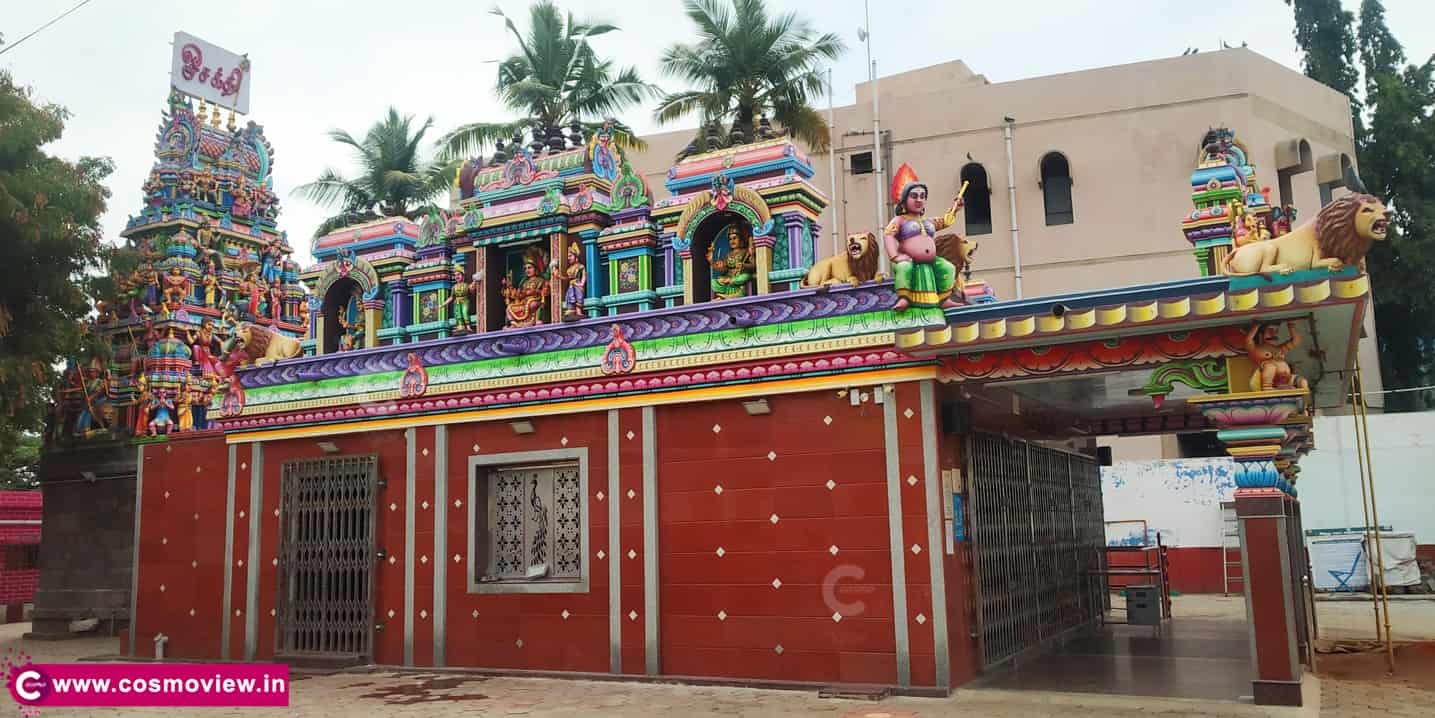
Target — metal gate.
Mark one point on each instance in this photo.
(326, 556)
(1037, 540)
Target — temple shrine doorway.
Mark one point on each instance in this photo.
(327, 555)
(712, 248)
(343, 316)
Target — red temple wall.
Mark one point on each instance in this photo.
(18, 581)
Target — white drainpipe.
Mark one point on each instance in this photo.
(159, 640)
(1011, 203)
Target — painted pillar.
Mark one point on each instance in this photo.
(403, 311)
(763, 246)
(556, 244)
(373, 316)
(1265, 433)
(793, 225)
(594, 289)
(687, 257)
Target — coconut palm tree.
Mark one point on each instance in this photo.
(745, 66)
(555, 80)
(394, 180)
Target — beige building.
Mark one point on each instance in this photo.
(1101, 162)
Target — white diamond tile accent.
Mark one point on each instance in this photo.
(271, 611)
(393, 560)
(518, 643)
(921, 619)
(166, 494)
(777, 583)
(632, 615)
(241, 563)
(191, 611)
(194, 564)
(565, 614)
(907, 413)
(600, 495)
(391, 613)
(778, 649)
(426, 451)
(161, 588)
(274, 561)
(718, 489)
(772, 456)
(631, 493)
(164, 541)
(563, 441)
(632, 554)
(631, 435)
(832, 549)
(722, 615)
(837, 617)
(196, 469)
(717, 428)
(601, 555)
(827, 420)
(475, 611)
(720, 552)
(424, 614)
(241, 514)
(911, 480)
(238, 612)
(393, 506)
(276, 513)
(457, 558)
(916, 549)
(831, 484)
(196, 516)
(424, 559)
(774, 519)
(475, 450)
(458, 503)
(425, 504)
(243, 466)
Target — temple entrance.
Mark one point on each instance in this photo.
(1038, 534)
(326, 555)
(343, 315)
(713, 241)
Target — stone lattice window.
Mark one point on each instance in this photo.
(534, 526)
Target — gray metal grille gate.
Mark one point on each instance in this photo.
(1037, 537)
(326, 569)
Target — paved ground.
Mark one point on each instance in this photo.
(449, 695)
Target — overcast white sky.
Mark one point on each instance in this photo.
(319, 64)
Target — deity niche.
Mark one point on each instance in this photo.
(731, 260)
(351, 322)
(526, 300)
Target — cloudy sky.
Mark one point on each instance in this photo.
(319, 64)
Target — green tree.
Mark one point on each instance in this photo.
(747, 65)
(1325, 33)
(50, 250)
(394, 179)
(555, 80)
(20, 468)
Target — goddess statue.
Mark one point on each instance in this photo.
(525, 302)
(1268, 354)
(176, 288)
(922, 278)
(461, 296)
(576, 274)
(732, 272)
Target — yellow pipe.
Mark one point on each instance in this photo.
(1364, 502)
(1375, 517)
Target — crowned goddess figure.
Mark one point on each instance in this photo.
(922, 278)
(733, 271)
(525, 302)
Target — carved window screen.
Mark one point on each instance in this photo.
(535, 524)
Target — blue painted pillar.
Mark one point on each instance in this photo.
(595, 272)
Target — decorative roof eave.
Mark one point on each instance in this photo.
(1193, 303)
(189, 218)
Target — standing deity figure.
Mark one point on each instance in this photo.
(254, 287)
(142, 404)
(1268, 354)
(526, 301)
(732, 272)
(576, 274)
(182, 406)
(273, 266)
(161, 408)
(276, 301)
(149, 279)
(176, 288)
(211, 287)
(922, 278)
(204, 348)
(461, 296)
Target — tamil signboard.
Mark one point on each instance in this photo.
(210, 73)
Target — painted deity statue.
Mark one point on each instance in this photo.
(161, 408)
(149, 278)
(732, 272)
(576, 275)
(204, 348)
(352, 336)
(922, 278)
(253, 287)
(1249, 228)
(526, 301)
(461, 296)
(142, 404)
(211, 287)
(276, 301)
(184, 417)
(176, 288)
(1268, 354)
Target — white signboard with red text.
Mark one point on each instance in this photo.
(210, 73)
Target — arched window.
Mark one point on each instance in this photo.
(979, 199)
(1056, 188)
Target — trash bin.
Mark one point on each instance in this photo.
(1143, 605)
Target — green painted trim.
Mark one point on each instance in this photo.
(1264, 432)
(645, 272)
(787, 275)
(1276, 280)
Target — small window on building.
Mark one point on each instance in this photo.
(862, 163)
(978, 198)
(1056, 188)
(529, 527)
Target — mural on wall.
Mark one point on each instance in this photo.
(1179, 498)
